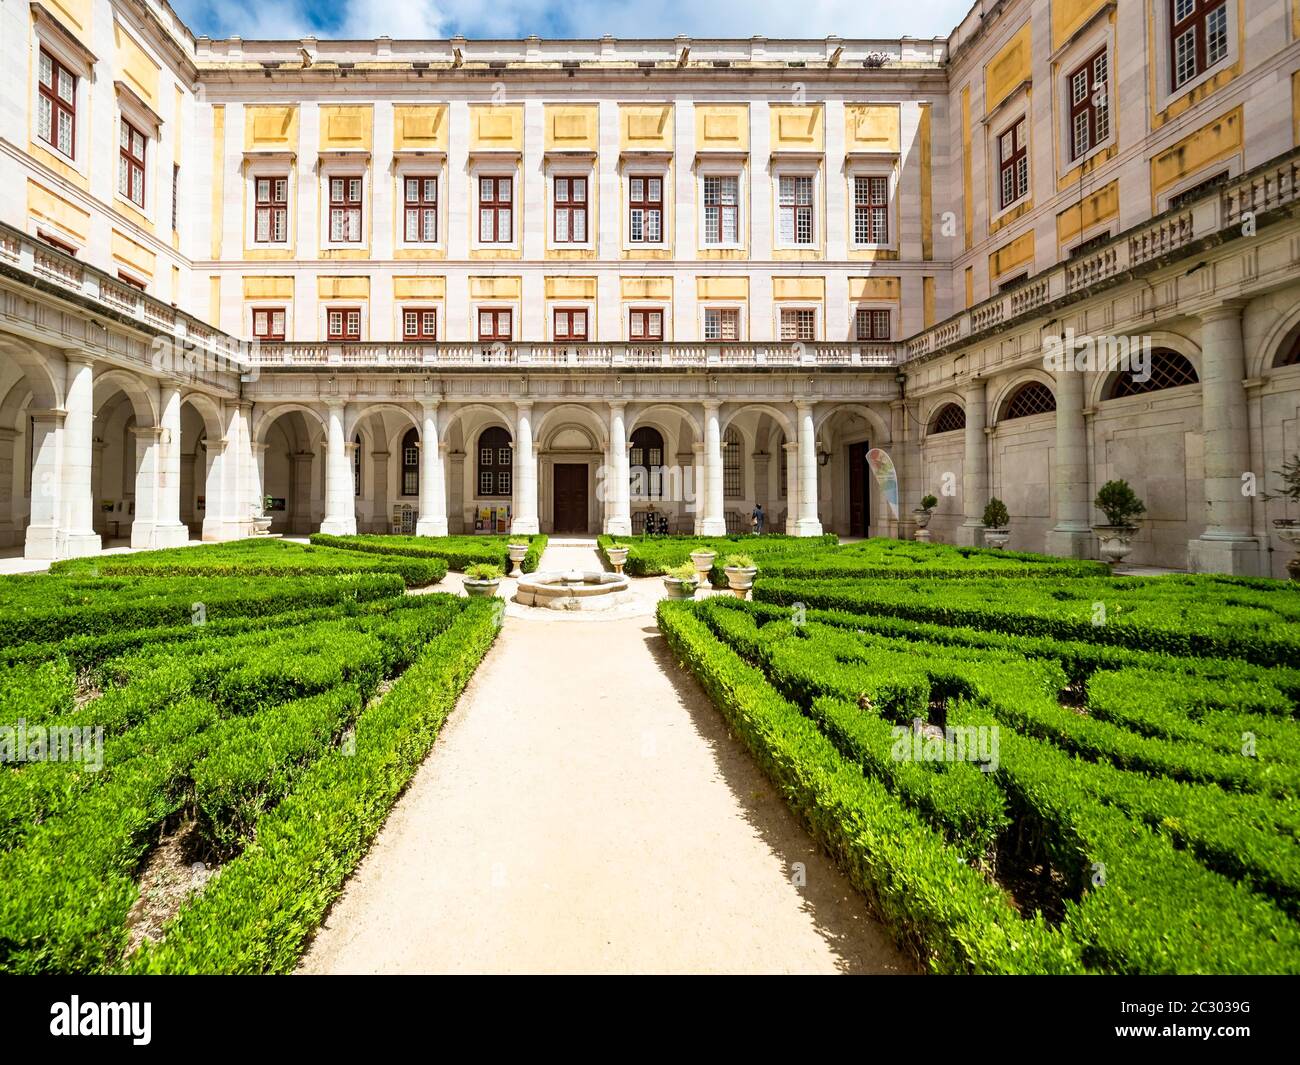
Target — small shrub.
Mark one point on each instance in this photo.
(1119, 503)
(739, 562)
(929, 502)
(995, 514)
(483, 571)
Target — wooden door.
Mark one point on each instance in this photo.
(859, 489)
(570, 497)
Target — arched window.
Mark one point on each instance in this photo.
(411, 463)
(733, 470)
(948, 419)
(645, 463)
(1168, 370)
(495, 460)
(356, 466)
(1288, 356)
(1029, 399)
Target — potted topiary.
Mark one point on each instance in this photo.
(703, 558)
(1123, 509)
(617, 556)
(517, 548)
(923, 514)
(1288, 529)
(681, 581)
(996, 519)
(740, 571)
(482, 579)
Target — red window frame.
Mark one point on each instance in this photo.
(499, 322)
(871, 324)
(570, 323)
(345, 195)
(1085, 116)
(265, 323)
(131, 164)
(870, 209)
(496, 209)
(56, 243)
(1196, 22)
(271, 204)
(420, 209)
(59, 105)
(645, 212)
(343, 324)
(641, 324)
(419, 323)
(1013, 164)
(569, 209)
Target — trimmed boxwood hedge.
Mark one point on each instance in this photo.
(459, 552)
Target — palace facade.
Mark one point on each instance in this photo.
(575, 286)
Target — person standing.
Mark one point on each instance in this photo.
(756, 519)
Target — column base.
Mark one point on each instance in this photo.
(524, 527)
(713, 527)
(431, 527)
(80, 544)
(805, 527)
(339, 526)
(1070, 543)
(177, 535)
(970, 534)
(905, 529)
(1238, 558)
(142, 535)
(217, 530)
(618, 527)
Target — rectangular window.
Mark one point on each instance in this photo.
(646, 323)
(130, 162)
(271, 224)
(1089, 106)
(570, 323)
(54, 242)
(721, 323)
(134, 282)
(268, 323)
(795, 209)
(176, 196)
(343, 323)
(496, 210)
(1198, 38)
(570, 221)
(345, 210)
(871, 324)
(420, 203)
(1197, 191)
(871, 210)
(721, 209)
(799, 323)
(419, 323)
(56, 119)
(1013, 164)
(645, 199)
(494, 323)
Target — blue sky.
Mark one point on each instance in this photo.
(292, 19)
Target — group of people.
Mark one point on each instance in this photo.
(656, 523)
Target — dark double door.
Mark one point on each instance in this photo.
(859, 489)
(570, 497)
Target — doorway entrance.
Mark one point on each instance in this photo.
(570, 495)
(859, 489)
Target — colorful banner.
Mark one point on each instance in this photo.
(882, 468)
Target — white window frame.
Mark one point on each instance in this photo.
(888, 169)
(1164, 95)
(570, 170)
(1232, 165)
(45, 38)
(497, 168)
(810, 169)
(496, 305)
(282, 166)
(646, 171)
(739, 308)
(588, 306)
(718, 169)
(778, 309)
(345, 166)
(1003, 120)
(400, 307)
(419, 171)
(146, 124)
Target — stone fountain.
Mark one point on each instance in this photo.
(573, 590)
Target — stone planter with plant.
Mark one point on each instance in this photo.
(482, 580)
(996, 521)
(702, 558)
(1123, 510)
(740, 571)
(617, 557)
(1288, 529)
(517, 548)
(681, 581)
(923, 513)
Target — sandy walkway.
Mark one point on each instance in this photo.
(585, 810)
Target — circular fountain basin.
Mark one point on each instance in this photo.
(572, 590)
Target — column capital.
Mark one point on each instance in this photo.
(79, 358)
(1221, 310)
(524, 406)
(804, 406)
(712, 405)
(52, 414)
(617, 406)
(144, 432)
(791, 447)
(428, 408)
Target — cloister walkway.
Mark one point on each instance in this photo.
(586, 810)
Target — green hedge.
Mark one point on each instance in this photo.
(650, 556)
(459, 552)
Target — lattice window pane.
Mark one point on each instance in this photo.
(1168, 370)
(949, 419)
(1028, 400)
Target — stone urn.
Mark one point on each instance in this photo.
(261, 522)
(1116, 542)
(481, 589)
(703, 563)
(921, 533)
(996, 538)
(1288, 531)
(617, 557)
(740, 579)
(680, 588)
(517, 554)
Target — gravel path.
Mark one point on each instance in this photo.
(585, 810)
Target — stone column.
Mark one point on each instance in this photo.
(524, 519)
(433, 489)
(379, 490)
(1072, 534)
(77, 534)
(714, 520)
(7, 531)
(300, 505)
(620, 515)
(456, 518)
(168, 529)
(975, 468)
(808, 524)
(1227, 544)
(257, 491)
(148, 457)
(340, 506)
(42, 537)
(906, 451)
(791, 486)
